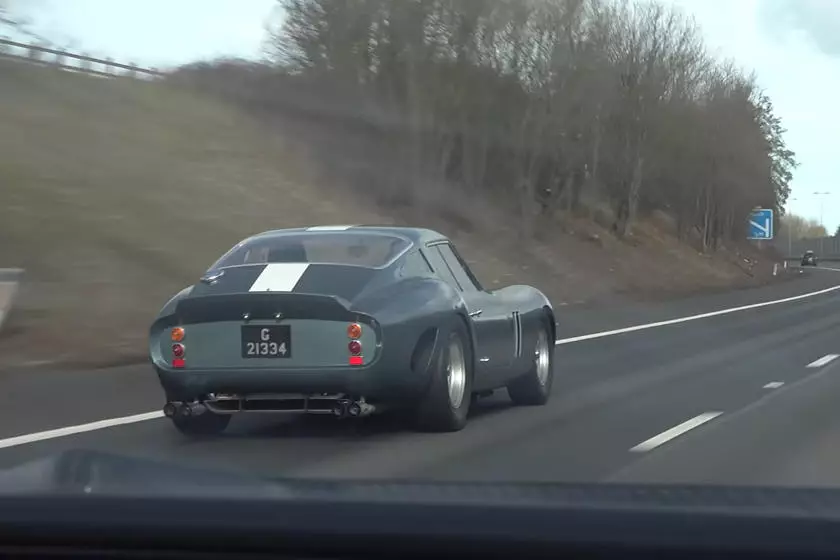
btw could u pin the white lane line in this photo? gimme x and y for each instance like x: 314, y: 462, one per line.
x: 774, y: 385
x: 825, y: 360
x: 674, y: 432
x: 81, y: 428
x: 692, y: 317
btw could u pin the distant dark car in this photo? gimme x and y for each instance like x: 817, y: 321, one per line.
x: 348, y: 321
x: 809, y: 259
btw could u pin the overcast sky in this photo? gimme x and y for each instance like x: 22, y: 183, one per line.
x: 792, y: 45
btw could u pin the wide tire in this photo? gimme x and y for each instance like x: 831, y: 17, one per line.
x: 446, y: 404
x: 207, y: 424
x: 534, y: 388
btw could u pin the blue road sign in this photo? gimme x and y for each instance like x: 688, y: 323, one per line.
x: 760, y: 225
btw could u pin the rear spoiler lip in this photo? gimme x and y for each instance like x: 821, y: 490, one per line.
x: 262, y: 306
x: 251, y: 295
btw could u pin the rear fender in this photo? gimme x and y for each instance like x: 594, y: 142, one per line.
x: 552, y: 321
x: 462, y: 316
x: 433, y: 340
x: 170, y: 305
x: 413, y: 313
x: 424, y: 350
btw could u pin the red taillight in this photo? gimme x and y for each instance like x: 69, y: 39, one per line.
x: 354, y: 332
x: 178, y: 350
x: 178, y: 363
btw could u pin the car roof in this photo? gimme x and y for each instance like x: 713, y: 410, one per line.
x: 417, y: 236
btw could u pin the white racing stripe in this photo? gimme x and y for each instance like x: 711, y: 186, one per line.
x: 328, y: 228
x: 774, y: 385
x: 279, y: 277
x: 102, y: 424
x: 692, y: 317
x: 675, y: 432
x: 825, y: 360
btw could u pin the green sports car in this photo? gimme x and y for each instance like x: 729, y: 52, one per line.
x: 348, y: 321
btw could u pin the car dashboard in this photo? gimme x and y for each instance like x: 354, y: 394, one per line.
x: 93, y: 505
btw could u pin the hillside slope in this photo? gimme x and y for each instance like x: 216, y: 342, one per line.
x: 116, y: 193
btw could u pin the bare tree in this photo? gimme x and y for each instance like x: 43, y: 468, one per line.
x: 548, y: 107
x: 803, y: 228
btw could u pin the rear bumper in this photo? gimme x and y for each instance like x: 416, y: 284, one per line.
x: 372, y: 382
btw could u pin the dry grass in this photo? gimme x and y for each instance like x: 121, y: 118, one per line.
x: 117, y: 193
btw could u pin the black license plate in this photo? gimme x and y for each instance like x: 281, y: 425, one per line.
x: 266, y: 341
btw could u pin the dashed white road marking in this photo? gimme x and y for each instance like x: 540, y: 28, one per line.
x: 80, y: 429
x: 693, y: 317
x: 674, y: 432
x: 774, y: 385
x: 825, y: 360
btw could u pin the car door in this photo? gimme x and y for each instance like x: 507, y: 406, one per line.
x: 496, y: 328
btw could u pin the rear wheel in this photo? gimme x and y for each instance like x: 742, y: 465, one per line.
x: 445, y: 406
x: 207, y: 424
x: 534, y: 388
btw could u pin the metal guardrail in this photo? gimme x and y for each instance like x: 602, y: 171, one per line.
x: 75, y: 62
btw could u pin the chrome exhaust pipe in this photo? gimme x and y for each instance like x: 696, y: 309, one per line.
x: 359, y: 409
x: 198, y: 409
x: 191, y: 409
x: 340, y: 408
x: 170, y: 409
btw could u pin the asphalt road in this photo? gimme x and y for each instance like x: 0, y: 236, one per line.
x: 748, y: 396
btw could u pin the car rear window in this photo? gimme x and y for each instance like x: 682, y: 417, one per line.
x: 360, y: 249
